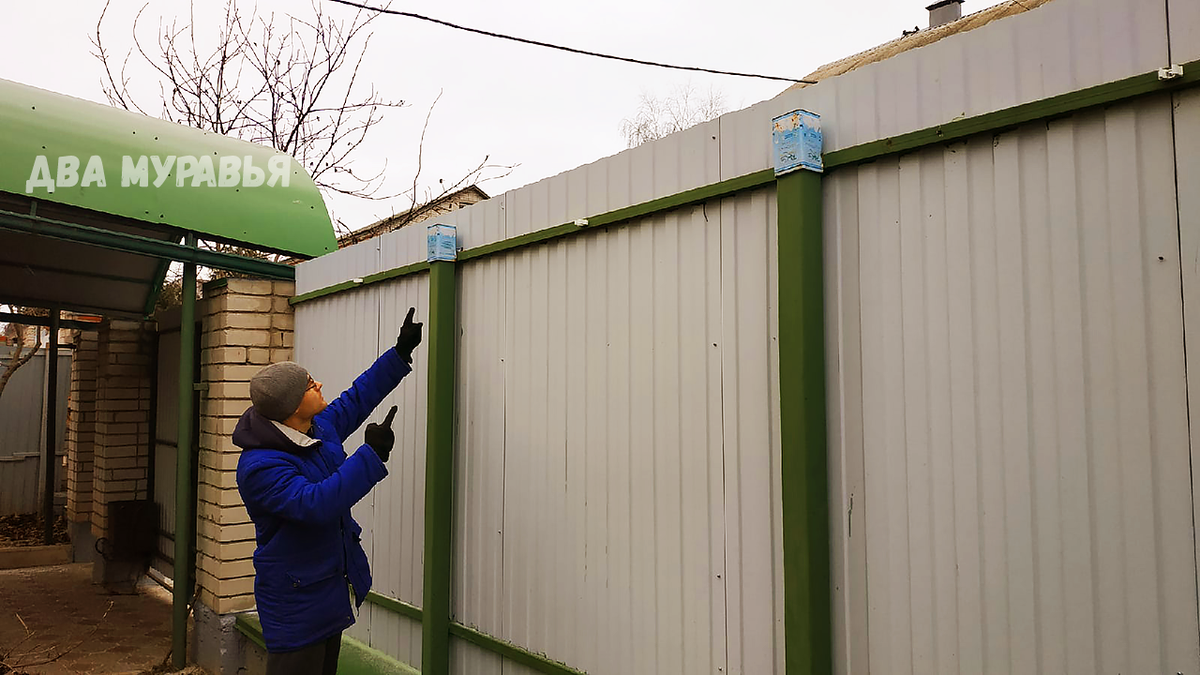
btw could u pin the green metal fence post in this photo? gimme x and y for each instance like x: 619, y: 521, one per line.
x: 439, y: 471
x: 51, y: 430
x: 185, y: 507
x: 808, y: 619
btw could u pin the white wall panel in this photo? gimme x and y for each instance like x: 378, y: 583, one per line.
x: 395, y: 635
x: 1187, y: 138
x: 749, y: 370
x: 1185, y: 30
x: 19, y: 485
x: 603, y: 484
x: 341, y: 265
x: 479, y: 447
x: 843, y: 339
x: 404, y: 246
x: 467, y: 659
x: 396, y: 540
x: 1059, y: 47
x: 1027, y: 497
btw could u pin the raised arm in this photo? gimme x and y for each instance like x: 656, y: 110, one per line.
x: 349, y: 410
x: 352, y: 408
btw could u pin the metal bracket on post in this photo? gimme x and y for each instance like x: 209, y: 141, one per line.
x: 1172, y: 73
x: 185, y: 505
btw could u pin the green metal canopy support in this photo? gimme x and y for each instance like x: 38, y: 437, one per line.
x: 185, y: 506
x: 132, y: 243
x: 51, y: 429
x: 808, y: 618
x: 439, y: 471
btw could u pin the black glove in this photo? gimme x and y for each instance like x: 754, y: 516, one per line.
x: 380, y: 437
x: 409, y: 338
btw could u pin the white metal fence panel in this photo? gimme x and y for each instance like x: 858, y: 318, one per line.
x: 843, y: 336
x: 1187, y: 139
x: 1062, y: 46
x: 1184, y: 16
x: 479, y: 450
x: 397, y: 538
x: 750, y: 421
x: 23, y: 428
x: 338, y: 266
x: 615, y: 400
x: 337, y: 338
x: 467, y: 659
x: 23, y: 403
x: 1028, y: 504
x: 19, y: 485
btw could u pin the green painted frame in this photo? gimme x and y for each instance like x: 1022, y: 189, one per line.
x: 147, y: 246
x: 439, y: 470
x: 808, y: 609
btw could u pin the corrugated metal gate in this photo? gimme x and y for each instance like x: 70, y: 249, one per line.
x: 166, y: 449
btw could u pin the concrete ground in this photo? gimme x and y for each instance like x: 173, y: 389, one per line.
x: 54, y: 621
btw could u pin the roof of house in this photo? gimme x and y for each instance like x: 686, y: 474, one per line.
x: 920, y: 38
x: 413, y: 215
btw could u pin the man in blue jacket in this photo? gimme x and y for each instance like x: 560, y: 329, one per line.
x: 298, y: 484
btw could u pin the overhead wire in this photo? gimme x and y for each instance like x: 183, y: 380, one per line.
x: 572, y: 50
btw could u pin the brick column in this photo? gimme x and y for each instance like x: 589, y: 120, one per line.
x: 122, y: 434
x: 81, y: 433
x: 246, y: 325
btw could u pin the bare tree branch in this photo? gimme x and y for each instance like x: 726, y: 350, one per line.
x: 682, y: 109
x: 290, y: 82
x: 293, y: 86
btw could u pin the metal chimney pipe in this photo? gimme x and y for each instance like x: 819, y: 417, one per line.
x: 944, y: 12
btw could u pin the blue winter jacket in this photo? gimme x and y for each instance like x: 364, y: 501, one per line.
x: 299, y: 498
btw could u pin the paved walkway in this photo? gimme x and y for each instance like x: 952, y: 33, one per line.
x: 53, y: 621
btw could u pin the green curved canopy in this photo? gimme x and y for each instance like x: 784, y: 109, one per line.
x: 41, y: 132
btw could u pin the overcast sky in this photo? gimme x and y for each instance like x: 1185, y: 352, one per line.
x: 544, y: 110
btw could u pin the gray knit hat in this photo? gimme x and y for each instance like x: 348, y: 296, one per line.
x: 276, y: 390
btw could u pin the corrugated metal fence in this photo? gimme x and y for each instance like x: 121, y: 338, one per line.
x: 1010, y: 480
x: 23, y: 428
x: 1017, y: 374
